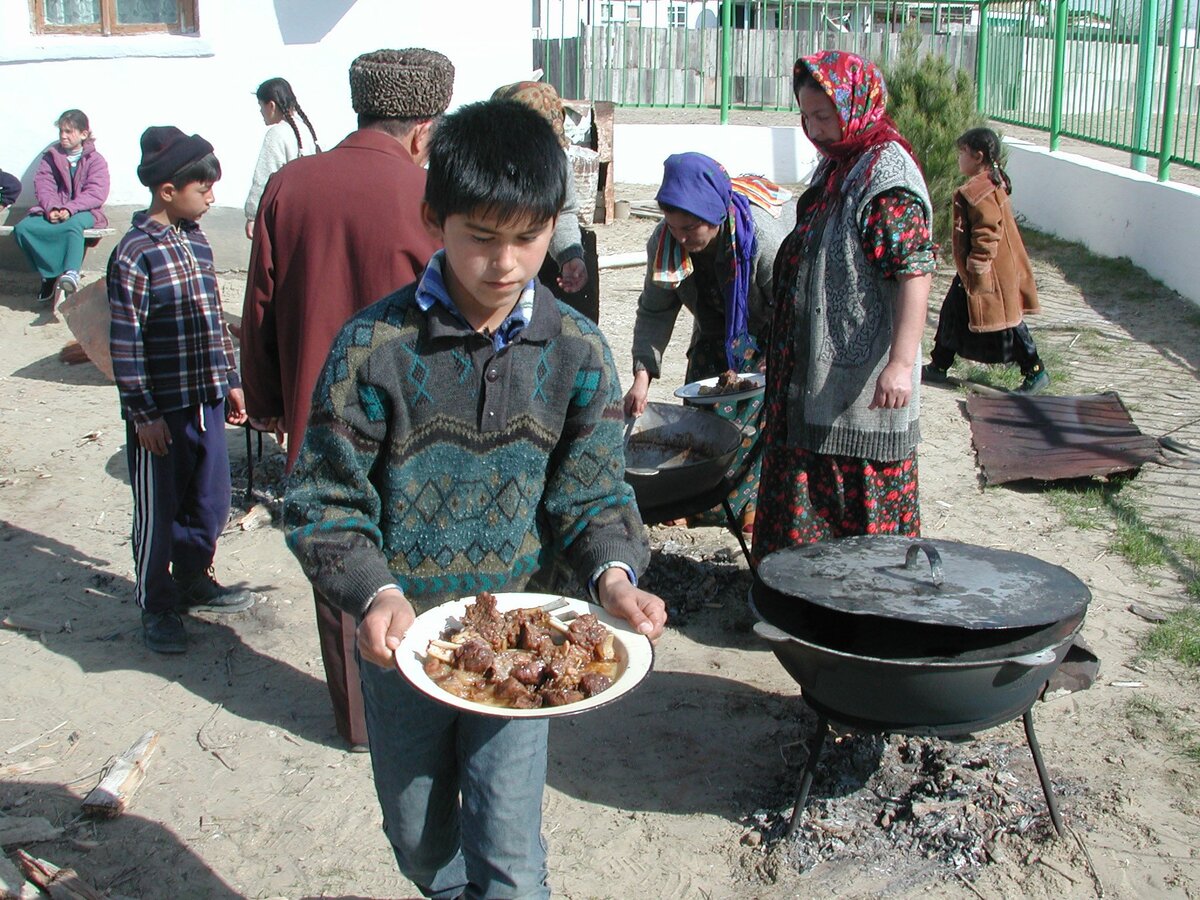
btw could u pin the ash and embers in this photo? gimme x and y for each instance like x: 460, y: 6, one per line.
x: 894, y: 800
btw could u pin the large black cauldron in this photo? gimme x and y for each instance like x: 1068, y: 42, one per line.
x: 917, y: 637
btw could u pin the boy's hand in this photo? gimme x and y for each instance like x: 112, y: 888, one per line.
x: 383, y: 626
x: 235, y: 407
x: 572, y: 276
x: 641, y: 609
x: 155, y: 437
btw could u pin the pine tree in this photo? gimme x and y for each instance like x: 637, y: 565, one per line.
x: 932, y: 103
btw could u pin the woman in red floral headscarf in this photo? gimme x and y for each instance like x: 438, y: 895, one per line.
x: 851, y: 292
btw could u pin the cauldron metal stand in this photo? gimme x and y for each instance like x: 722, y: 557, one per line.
x: 698, y: 503
x: 817, y: 745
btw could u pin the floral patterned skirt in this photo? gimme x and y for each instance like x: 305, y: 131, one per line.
x: 807, y: 497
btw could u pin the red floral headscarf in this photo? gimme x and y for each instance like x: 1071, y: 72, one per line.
x: 856, y: 87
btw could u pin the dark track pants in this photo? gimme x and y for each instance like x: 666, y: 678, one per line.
x: 180, y: 502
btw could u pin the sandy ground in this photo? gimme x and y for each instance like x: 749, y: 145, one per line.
x: 251, y: 795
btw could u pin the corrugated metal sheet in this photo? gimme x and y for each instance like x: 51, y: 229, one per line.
x: 1050, y: 438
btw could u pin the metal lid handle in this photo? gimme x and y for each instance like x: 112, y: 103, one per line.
x: 935, y: 559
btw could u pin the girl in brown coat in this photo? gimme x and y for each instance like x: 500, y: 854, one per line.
x: 982, y: 316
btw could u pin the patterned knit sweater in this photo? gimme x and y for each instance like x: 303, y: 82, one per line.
x: 435, y: 462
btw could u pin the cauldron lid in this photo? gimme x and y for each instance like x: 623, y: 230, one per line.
x: 934, y: 582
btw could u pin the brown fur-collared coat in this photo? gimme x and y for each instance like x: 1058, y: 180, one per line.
x: 990, y: 257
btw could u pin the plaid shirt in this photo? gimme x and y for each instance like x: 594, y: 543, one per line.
x: 170, y: 347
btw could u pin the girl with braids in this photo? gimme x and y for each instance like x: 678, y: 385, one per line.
x: 283, y: 141
x: 851, y: 292
x: 982, y: 316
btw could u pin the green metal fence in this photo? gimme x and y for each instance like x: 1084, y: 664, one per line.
x: 1123, y: 79
x: 1119, y: 73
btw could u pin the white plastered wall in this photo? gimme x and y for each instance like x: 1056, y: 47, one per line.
x: 1112, y: 211
x: 205, y: 83
x: 782, y: 154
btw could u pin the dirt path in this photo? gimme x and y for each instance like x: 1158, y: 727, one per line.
x: 251, y: 795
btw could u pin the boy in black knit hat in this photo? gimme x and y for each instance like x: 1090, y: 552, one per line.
x: 175, y: 370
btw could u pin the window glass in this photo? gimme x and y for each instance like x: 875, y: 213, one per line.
x: 147, y: 12
x: 72, y: 12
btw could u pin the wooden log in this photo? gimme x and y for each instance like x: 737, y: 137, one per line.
x: 26, y: 830
x: 11, y: 880
x: 25, y: 768
x: 60, y: 883
x: 114, y: 793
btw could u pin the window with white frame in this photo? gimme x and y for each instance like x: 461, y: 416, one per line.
x: 113, y: 17
x: 633, y: 13
x: 677, y: 15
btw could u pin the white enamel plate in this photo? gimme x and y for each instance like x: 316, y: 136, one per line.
x: 691, y: 392
x: 635, y: 654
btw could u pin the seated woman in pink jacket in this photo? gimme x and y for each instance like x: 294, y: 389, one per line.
x: 70, y: 188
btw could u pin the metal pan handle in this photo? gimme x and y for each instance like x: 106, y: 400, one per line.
x: 935, y: 560
x: 769, y: 632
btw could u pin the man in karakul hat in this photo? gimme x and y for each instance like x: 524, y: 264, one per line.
x: 335, y: 232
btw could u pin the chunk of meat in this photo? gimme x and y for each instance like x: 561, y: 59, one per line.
x: 474, y: 656
x: 593, y: 683
x: 588, y: 632
x: 517, y: 695
x: 554, y: 697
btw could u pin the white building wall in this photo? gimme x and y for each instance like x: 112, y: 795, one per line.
x: 205, y: 83
x: 1111, y: 210
x: 782, y: 154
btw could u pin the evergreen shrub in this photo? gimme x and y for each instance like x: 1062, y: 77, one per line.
x: 932, y: 103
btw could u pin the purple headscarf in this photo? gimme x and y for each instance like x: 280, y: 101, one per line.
x: 699, y: 185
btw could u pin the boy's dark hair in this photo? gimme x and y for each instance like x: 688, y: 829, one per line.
x: 497, y: 158
x: 987, y: 142
x: 206, y: 170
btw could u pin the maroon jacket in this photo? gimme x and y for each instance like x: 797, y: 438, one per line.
x: 54, y: 188
x: 335, y: 232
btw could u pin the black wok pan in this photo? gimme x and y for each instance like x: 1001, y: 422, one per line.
x: 676, y: 453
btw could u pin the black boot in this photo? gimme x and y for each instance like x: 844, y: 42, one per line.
x: 200, y: 592
x: 163, y: 632
x: 46, y: 291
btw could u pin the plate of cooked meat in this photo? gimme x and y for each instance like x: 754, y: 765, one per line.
x: 726, y: 386
x: 523, y: 655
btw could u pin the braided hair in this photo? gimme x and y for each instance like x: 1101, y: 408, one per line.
x: 279, y: 92
x: 987, y: 142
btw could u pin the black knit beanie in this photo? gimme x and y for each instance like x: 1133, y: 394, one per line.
x: 401, y: 84
x: 166, y: 150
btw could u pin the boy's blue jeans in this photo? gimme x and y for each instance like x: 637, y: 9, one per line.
x: 461, y: 793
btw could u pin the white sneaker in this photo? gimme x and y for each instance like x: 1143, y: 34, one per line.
x: 68, y: 282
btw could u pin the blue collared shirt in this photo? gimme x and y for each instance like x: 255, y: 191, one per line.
x: 432, y: 289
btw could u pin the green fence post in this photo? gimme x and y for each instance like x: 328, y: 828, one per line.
x: 981, y: 58
x: 726, y: 58
x: 1060, y: 62
x: 1143, y: 98
x: 1171, y: 94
